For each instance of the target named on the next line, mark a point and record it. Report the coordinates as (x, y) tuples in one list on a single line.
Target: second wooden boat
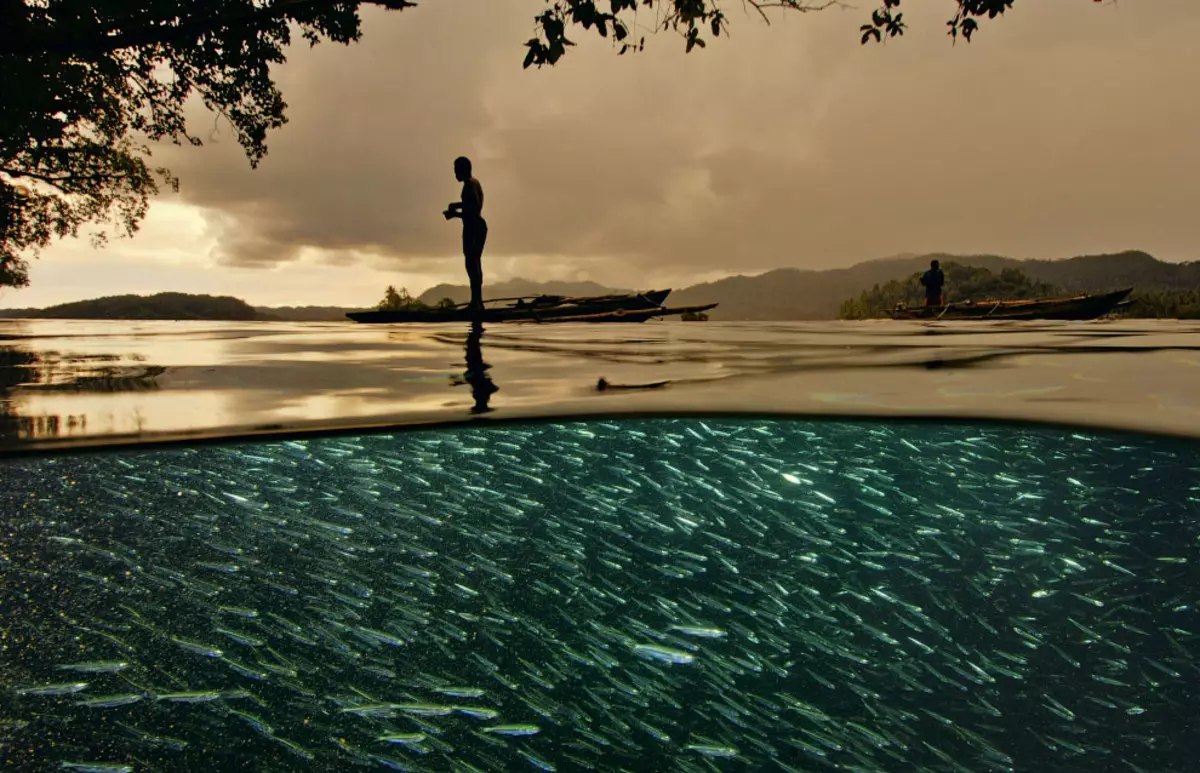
[(1074, 307)]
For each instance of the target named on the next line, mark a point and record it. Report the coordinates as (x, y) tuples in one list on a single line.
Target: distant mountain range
[(782, 294)]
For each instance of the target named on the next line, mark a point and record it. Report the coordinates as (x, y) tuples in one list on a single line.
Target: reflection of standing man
[(934, 280), (476, 375), (470, 209)]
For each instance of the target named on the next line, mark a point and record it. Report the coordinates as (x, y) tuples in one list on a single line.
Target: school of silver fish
[(652, 595)]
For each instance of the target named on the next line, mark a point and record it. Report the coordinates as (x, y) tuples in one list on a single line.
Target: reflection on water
[(71, 382), (34, 372), (476, 373), (45, 372)]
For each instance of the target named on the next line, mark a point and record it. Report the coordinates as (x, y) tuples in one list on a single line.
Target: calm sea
[(658, 547)]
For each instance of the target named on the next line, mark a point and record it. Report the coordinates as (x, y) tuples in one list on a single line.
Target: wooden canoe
[(1074, 307), (527, 308)]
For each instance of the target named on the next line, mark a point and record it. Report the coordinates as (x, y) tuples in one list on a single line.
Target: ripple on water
[(73, 383)]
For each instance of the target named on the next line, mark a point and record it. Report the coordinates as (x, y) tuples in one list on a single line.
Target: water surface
[(68, 383)]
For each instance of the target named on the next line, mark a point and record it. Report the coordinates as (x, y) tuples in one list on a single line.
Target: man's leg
[(471, 262), (473, 240), (475, 277)]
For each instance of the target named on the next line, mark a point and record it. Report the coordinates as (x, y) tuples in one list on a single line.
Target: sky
[(1064, 128)]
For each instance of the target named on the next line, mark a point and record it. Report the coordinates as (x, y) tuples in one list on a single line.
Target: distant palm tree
[(394, 301)]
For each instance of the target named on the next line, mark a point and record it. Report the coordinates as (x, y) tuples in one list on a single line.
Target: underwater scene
[(658, 594)]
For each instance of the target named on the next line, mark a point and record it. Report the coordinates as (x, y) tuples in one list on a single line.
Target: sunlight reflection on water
[(66, 383)]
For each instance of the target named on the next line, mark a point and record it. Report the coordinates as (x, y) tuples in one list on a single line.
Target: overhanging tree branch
[(37, 40), (789, 5), (56, 179)]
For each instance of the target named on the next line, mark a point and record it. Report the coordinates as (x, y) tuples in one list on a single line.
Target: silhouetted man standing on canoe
[(470, 209), (933, 279)]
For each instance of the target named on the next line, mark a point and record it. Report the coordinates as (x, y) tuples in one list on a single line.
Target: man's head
[(932, 263), (462, 169)]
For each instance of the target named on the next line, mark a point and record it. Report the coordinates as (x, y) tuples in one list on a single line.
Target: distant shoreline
[(777, 295)]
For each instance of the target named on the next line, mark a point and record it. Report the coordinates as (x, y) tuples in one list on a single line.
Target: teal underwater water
[(643, 595)]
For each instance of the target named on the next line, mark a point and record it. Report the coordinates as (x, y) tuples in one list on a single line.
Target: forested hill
[(1085, 273), (969, 283), (158, 306)]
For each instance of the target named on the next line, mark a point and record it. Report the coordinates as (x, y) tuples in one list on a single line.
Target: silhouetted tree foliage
[(888, 21), (398, 301), (86, 84), (695, 18), (158, 306), (963, 283)]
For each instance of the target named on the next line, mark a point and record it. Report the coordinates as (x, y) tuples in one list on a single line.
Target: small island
[(159, 306)]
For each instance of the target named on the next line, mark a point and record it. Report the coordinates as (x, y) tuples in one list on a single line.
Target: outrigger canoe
[(1074, 307), (629, 307)]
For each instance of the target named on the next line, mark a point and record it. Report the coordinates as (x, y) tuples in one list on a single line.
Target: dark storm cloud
[(1062, 129)]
